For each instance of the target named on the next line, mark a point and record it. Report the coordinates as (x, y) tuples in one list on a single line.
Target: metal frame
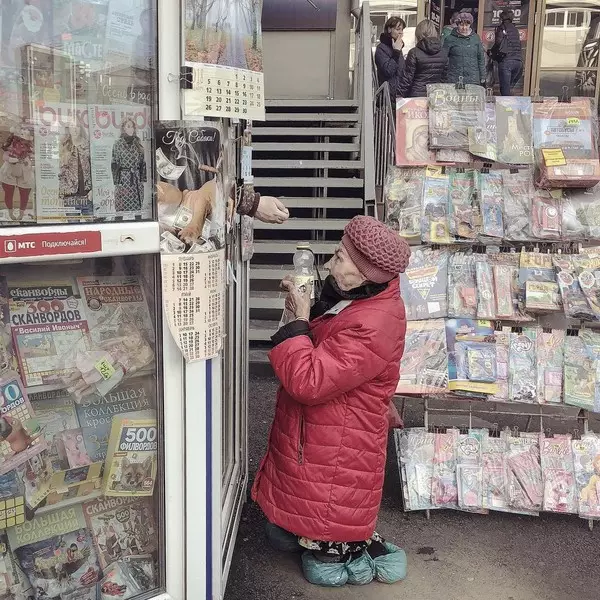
[(537, 70)]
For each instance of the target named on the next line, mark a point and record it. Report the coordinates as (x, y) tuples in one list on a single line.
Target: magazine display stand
[(501, 300)]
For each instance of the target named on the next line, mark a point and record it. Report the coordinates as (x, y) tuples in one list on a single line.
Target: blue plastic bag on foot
[(324, 574), (361, 570), (391, 567)]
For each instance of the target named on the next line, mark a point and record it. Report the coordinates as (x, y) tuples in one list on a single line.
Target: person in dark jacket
[(466, 57), (426, 63), (388, 55), (506, 51)]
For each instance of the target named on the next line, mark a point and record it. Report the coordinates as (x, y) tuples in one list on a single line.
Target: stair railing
[(363, 77), (384, 133)]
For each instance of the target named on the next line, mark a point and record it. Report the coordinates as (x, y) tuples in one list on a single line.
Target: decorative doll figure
[(128, 169), (17, 169), (75, 175)]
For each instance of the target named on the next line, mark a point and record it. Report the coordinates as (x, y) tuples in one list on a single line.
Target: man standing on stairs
[(388, 56)]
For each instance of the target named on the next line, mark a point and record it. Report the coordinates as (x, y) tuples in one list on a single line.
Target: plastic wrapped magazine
[(574, 301), (588, 274), (471, 356), (424, 365), (586, 462), (412, 133), (483, 141), (452, 157), (464, 214), (523, 473), (550, 363), (486, 300), (522, 382), (591, 341), (434, 218), (452, 111), (424, 285), (581, 214), (444, 491), (415, 450), (579, 374), (518, 192), (546, 215), (403, 195), (502, 360), (462, 286), (514, 130), (469, 469), (538, 276), (566, 143), (491, 204), (560, 492), (510, 294)]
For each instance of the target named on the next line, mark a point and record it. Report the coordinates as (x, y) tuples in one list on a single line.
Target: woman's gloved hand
[(296, 303)]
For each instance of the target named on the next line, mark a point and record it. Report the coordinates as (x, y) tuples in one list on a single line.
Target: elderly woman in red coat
[(338, 363)]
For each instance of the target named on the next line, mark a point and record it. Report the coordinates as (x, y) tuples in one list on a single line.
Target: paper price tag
[(573, 121), (434, 171), (105, 368), (554, 157)]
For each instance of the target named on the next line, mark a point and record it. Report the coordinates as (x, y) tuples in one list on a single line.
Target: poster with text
[(190, 196), (223, 49)]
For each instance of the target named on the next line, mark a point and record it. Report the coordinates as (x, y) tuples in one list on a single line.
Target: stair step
[(308, 182), (306, 131), (261, 331), (267, 300), (270, 272), (308, 224), (326, 248), (306, 164), (309, 202), (305, 103), (313, 117), (258, 356), (303, 147)]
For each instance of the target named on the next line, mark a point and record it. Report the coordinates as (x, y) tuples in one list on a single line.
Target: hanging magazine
[(424, 285), (514, 130), (434, 218), (415, 449), (483, 140), (452, 111), (444, 490), (580, 370), (566, 142), (469, 469), (581, 213), (586, 459), (403, 194), (560, 492), (523, 473), (424, 364), (491, 204), (412, 133), (550, 361), (464, 217), (518, 193)]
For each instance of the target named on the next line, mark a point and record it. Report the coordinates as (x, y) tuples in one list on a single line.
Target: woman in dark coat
[(508, 55), (388, 55), (466, 57), (426, 63)]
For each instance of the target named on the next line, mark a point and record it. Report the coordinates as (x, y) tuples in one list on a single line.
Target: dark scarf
[(386, 38), (331, 294)]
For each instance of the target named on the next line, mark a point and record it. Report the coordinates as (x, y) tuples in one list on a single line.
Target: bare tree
[(252, 10)]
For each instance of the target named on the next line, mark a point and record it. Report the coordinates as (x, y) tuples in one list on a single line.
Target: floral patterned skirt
[(339, 548)]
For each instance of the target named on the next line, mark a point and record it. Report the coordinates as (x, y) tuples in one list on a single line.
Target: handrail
[(384, 134), (363, 93)]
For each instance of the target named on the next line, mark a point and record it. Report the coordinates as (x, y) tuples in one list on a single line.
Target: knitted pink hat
[(376, 250)]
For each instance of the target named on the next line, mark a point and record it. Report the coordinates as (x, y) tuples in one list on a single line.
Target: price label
[(105, 369), (573, 121), (554, 157)]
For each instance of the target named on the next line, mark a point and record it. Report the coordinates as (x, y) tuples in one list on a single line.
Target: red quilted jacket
[(322, 476)]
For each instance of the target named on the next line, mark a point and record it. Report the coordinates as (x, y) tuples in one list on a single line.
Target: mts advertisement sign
[(29, 245)]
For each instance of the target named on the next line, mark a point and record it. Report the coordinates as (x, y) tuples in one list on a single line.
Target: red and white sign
[(49, 244)]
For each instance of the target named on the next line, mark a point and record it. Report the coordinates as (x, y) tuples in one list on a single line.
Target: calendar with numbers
[(194, 297), (220, 91)]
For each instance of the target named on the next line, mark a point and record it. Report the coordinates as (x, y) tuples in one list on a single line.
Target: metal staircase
[(313, 155)]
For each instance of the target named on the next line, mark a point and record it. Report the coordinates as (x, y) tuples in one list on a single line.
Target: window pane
[(83, 452), (77, 98), (579, 83), (574, 44)]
